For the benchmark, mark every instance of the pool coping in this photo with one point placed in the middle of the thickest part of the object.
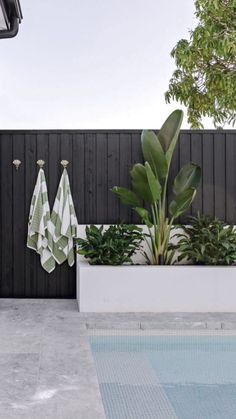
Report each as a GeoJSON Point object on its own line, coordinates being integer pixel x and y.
{"type": "Point", "coordinates": [160, 332]}
{"type": "Point", "coordinates": [163, 321]}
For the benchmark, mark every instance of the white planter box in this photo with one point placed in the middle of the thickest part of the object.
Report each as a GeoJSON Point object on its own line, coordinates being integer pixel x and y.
{"type": "Point", "coordinates": [155, 288]}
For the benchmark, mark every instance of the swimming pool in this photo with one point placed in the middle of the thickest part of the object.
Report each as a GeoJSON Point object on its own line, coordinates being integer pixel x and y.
{"type": "Point", "coordinates": [166, 374]}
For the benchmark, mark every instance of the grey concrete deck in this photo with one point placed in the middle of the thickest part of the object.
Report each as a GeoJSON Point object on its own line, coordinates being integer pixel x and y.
{"type": "Point", "coordinates": [46, 366]}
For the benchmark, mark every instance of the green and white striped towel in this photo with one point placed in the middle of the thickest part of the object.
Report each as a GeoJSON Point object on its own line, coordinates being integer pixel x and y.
{"type": "Point", "coordinates": [63, 224]}
{"type": "Point", "coordinates": [39, 218]}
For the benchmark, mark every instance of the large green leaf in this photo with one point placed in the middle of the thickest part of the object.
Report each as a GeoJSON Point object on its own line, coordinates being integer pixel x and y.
{"type": "Point", "coordinates": [188, 177]}
{"type": "Point", "coordinates": [140, 183]}
{"type": "Point", "coordinates": [127, 196]}
{"type": "Point", "coordinates": [144, 214]}
{"type": "Point", "coordinates": [153, 182]}
{"type": "Point", "coordinates": [154, 154]}
{"type": "Point", "coordinates": [182, 202]}
{"type": "Point", "coordinates": [169, 132]}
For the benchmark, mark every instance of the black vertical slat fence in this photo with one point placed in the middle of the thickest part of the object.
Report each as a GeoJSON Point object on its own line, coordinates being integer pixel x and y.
{"type": "Point", "coordinates": [98, 161]}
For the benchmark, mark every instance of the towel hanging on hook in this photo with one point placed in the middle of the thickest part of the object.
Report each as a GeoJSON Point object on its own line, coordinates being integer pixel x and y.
{"type": "Point", "coordinates": [39, 217]}
{"type": "Point", "coordinates": [63, 224]}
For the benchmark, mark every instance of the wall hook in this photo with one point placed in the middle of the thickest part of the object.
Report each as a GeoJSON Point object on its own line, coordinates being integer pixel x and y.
{"type": "Point", "coordinates": [64, 163]}
{"type": "Point", "coordinates": [16, 163]}
{"type": "Point", "coordinates": [40, 163]}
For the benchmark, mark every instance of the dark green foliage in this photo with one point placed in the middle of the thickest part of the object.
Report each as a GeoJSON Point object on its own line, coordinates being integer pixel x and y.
{"type": "Point", "coordinates": [113, 246]}
{"type": "Point", "coordinates": [206, 241]}
{"type": "Point", "coordinates": [205, 76]}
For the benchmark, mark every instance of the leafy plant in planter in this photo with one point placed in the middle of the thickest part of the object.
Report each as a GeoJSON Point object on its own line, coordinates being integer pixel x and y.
{"type": "Point", "coordinates": [149, 184]}
{"type": "Point", "coordinates": [114, 246]}
{"type": "Point", "coordinates": [206, 241]}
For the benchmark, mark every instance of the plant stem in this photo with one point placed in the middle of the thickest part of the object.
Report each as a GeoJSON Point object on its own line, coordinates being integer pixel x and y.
{"type": "Point", "coordinates": [153, 246]}
{"type": "Point", "coordinates": [155, 216]}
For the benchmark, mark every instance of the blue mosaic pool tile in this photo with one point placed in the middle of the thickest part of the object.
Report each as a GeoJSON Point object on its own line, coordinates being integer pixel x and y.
{"type": "Point", "coordinates": [203, 401]}
{"type": "Point", "coordinates": [167, 377]}
{"type": "Point", "coordinates": [212, 367]}
{"type": "Point", "coordinates": [125, 368]}
{"type": "Point", "coordinates": [135, 402]}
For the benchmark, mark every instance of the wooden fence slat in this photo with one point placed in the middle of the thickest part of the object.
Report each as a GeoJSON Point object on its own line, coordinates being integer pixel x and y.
{"type": "Point", "coordinates": [102, 186]}
{"type": "Point", "coordinates": [42, 154]}
{"type": "Point", "coordinates": [125, 166]}
{"type": "Point", "coordinates": [67, 275]}
{"type": "Point", "coordinates": [231, 178]}
{"type": "Point", "coordinates": [32, 263]}
{"type": "Point", "coordinates": [6, 169]}
{"type": "Point", "coordinates": [19, 217]}
{"type": "Point", "coordinates": [136, 157]}
{"type": "Point", "coordinates": [54, 157]}
{"type": "Point", "coordinates": [90, 178]}
{"type": "Point", "coordinates": [78, 167]}
{"type": "Point", "coordinates": [219, 174]}
{"type": "Point", "coordinates": [113, 147]}
{"type": "Point", "coordinates": [208, 174]}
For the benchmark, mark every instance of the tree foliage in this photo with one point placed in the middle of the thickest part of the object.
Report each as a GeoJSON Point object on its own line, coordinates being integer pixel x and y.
{"type": "Point", "coordinates": [205, 77]}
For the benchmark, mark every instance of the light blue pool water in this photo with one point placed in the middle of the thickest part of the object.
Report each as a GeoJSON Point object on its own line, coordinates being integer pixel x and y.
{"type": "Point", "coordinates": [166, 377]}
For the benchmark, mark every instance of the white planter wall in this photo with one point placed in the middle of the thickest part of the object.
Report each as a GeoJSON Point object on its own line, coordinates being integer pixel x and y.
{"type": "Point", "coordinates": [155, 288]}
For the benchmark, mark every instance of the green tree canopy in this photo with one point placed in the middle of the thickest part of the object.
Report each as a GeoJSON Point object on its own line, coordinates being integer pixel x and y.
{"type": "Point", "coordinates": [205, 77]}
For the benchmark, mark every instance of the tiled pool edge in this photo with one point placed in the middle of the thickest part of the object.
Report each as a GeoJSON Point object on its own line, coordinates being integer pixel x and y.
{"type": "Point", "coordinates": [161, 325]}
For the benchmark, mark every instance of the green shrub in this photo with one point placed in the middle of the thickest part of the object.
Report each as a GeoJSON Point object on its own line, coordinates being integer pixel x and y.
{"type": "Point", "coordinates": [206, 241]}
{"type": "Point", "coordinates": [113, 246]}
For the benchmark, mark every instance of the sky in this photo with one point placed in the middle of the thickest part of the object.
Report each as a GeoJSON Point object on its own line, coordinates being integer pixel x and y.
{"type": "Point", "coordinates": [91, 64]}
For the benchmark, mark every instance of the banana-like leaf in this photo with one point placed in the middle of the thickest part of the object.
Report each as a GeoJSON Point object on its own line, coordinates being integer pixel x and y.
{"type": "Point", "coordinates": [144, 214]}
{"type": "Point", "coordinates": [127, 196]}
{"type": "Point", "coordinates": [140, 183]}
{"type": "Point", "coordinates": [169, 132]}
{"type": "Point", "coordinates": [154, 154]}
{"type": "Point", "coordinates": [153, 182]}
{"type": "Point", "coordinates": [188, 177]}
{"type": "Point", "coordinates": [182, 202]}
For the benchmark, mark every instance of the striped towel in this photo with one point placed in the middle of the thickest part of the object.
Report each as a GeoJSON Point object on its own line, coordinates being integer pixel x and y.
{"type": "Point", "coordinates": [63, 224]}
{"type": "Point", "coordinates": [39, 218]}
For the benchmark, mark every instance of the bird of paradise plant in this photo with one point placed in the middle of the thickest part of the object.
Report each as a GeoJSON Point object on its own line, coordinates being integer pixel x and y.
{"type": "Point", "coordinates": [149, 185]}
